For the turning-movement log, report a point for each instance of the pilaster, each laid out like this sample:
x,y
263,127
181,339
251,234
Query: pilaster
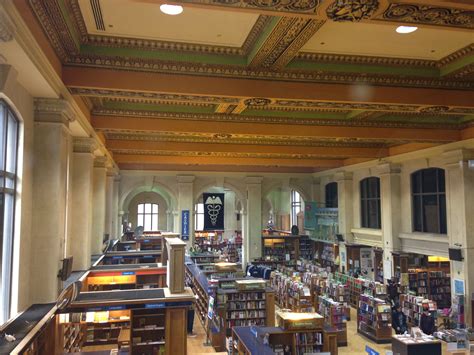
x,y
51,146
345,203
80,209
253,219
98,204
109,229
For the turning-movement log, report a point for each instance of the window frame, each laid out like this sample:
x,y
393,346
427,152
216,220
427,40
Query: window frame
x,y
438,194
152,214
328,191
197,216
295,204
8,241
365,205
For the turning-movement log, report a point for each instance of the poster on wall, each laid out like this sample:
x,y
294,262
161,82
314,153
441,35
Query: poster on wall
x,y
185,224
366,263
310,215
213,211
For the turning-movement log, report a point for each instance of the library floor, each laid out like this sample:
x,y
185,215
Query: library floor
x,y
356,345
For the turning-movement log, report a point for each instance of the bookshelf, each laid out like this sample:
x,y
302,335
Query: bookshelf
x,y
431,284
125,280
306,248
291,293
148,331
282,250
374,319
334,314
412,308
209,240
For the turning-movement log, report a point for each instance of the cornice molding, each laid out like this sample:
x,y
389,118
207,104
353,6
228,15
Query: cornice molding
x,y
185,178
7,28
53,111
417,121
100,162
146,65
84,145
461,53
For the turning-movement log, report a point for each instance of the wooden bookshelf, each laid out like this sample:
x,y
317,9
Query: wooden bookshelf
x,y
431,284
148,331
124,279
281,249
334,314
412,307
374,319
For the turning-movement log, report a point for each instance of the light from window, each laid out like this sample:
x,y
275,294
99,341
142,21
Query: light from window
x,y
8,173
199,216
370,203
331,195
429,201
295,207
147,216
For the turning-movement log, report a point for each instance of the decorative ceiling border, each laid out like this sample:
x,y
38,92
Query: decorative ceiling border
x,y
134,64
428,14
112,134
226,154
147,102
220,117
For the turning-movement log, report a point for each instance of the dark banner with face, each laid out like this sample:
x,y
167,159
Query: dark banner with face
x,y
213,211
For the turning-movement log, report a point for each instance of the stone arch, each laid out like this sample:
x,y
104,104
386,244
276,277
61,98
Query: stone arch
x,y
156,187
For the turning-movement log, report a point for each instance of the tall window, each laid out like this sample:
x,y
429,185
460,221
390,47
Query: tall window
x,y
370,203
429,201
8,173
147,216
331,195
295,206
199,216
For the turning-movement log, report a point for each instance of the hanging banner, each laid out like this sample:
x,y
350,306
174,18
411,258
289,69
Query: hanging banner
x,y
185,224
213,211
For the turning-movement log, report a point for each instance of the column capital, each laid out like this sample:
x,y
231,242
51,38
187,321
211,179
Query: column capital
x,y
253,180
100,162
457,156
84,145
53,111
342,176
316,180
185,178
7,28
112,172
387,169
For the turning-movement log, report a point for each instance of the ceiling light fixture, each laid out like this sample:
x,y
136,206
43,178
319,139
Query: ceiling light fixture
x,y
171,9
406,29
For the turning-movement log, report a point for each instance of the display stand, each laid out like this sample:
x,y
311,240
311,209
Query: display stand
x,y
404,345
374,319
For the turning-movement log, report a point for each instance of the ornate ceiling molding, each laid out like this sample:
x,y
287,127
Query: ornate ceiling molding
x,y
7,29
351,10
239,139
426,14
136,64
459,54
284,42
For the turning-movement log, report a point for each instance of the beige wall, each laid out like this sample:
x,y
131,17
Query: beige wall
x,y
148,197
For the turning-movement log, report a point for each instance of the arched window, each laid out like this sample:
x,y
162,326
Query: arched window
x,y
370,203
331,195
8,177
429,201
147,216
199,216
296,206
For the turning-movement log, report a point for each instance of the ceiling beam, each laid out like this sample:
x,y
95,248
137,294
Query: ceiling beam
x,y
276,130
219,168
145,82
210,160
335,152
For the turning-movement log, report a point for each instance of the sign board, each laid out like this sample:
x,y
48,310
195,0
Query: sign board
x,y
185,224
387,269
458,287
213,211
371,351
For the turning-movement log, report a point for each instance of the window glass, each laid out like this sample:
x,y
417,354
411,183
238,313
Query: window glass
x,y
331,195
147,216
141,208
428,181
155,208
199,216
295,207
370,203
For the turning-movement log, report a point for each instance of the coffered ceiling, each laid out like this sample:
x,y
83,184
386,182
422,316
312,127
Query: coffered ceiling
x,y
284,86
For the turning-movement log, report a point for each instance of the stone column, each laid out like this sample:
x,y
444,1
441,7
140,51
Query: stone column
x,y
176,227
186,202
230,219
81,203
253,226
316,190
98,204
51,154
459,218
109,204
116,216
391,210
345,203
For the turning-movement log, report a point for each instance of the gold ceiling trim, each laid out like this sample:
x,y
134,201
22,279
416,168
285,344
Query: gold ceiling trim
x,y
221,117
136,64
428,15
178,101
225,154
112,134
461,53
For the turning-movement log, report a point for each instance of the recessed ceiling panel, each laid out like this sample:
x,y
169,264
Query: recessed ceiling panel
x,y
381,40
124,18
